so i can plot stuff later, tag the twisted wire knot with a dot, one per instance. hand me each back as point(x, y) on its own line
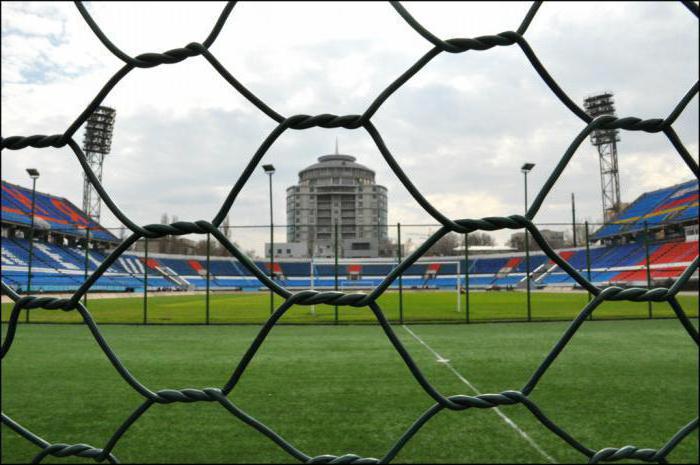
point(331, 298)
point(636, 294)
point(343, 459)
point(630, 123)
point(459, 45)
point(169, 396)
point(325, 120)
point(611, 454)
point(493, 223)
point(74, 450)
point(486, 400)
point(179, 228)
point(176, 55)
point(49, 303)
point(38, 141)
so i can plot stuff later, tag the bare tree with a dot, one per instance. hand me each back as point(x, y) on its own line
point(480, 238)
point(446, 245)
point(227, 228)
point(555, 239)
point(162, 245)
point(580, 235)
point(517, 241)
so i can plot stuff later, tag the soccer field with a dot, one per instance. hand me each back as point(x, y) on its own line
point(337, 390)
point(424, 306)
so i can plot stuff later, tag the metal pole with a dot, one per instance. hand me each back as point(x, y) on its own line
point(335, 244)
point(646, 251)
point(208, 263)
point(398, 232)
point(573, 217)
point(466, 275)
point(527, 259)
point(311, 276)
point(87, 261)
point(145, 281)
point(459, 288)
point(272, 250)
point(31, 247)
point(588, 264)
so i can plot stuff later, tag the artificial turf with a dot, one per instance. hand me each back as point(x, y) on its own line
point(417, 306)
point(344, 389)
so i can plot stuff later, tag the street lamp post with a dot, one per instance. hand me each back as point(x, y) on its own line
point(573, 218)
point(34, 174)
point(526, 168)
point(270, 170)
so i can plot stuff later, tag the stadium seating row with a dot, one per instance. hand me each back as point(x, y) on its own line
point(50, 212)
point(57, 267)
point(669, 205)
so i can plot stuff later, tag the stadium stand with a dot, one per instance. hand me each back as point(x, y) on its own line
point(609, 264)
point(60, 265)
point(55, 213)
point(675, 204)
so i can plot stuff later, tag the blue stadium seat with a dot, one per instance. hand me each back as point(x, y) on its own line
point(58, 213)
point(489, 265)
point(667, 205)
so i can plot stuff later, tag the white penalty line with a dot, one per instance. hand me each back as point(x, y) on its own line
point(497, 410)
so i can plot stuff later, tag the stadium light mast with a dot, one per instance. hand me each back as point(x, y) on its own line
point(96, 144)
point(34, 174)
point(525, 169)
point(270, 170)
point(605, 140)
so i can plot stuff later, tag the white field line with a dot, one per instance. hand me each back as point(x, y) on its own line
point(440, 359)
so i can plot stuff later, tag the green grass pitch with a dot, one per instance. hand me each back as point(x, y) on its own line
point(344, 389)
point(417, 306)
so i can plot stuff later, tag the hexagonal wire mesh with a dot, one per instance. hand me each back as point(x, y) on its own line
point(309, 297)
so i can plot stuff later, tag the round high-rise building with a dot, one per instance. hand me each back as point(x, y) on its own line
point(337, 190)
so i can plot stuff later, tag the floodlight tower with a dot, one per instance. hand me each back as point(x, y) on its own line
point(605, 140)
point(96, 144)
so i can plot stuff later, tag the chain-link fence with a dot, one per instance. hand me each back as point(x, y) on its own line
point(601, 293)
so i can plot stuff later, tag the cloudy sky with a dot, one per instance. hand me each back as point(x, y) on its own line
point(461, 128)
